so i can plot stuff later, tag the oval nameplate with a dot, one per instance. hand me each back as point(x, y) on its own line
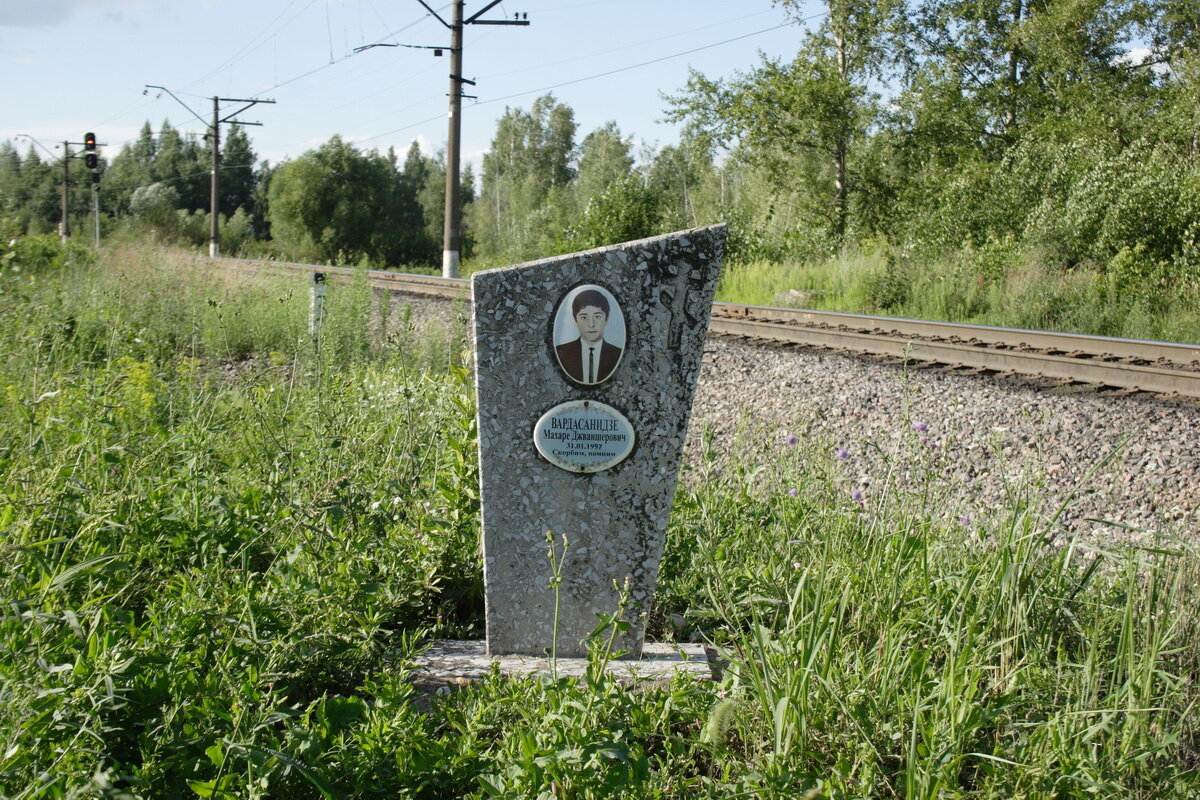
point(583, 436)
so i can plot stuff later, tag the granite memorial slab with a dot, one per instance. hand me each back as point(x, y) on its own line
point(585, 369)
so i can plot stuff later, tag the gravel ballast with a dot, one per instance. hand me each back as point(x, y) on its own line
point(985, 437)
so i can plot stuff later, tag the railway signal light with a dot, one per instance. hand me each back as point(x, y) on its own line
point(90, 158)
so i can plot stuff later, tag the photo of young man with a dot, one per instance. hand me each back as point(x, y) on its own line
point(590, 358)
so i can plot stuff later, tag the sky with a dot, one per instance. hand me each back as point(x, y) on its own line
point(72, 66)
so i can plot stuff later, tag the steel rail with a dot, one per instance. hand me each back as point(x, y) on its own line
point(1147, 378)
point(1088, 359)
point(1096, 346)
point(448, 288)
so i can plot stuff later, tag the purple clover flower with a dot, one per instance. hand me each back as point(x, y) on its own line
point(842, 453)
point(791, 440)
point(920, 427)
point(793, 492)
point(856, 495)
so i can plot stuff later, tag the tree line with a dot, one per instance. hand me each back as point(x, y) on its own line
point(541, 191)
point(937, 124)
point(1068, 130)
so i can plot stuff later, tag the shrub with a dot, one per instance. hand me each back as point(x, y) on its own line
point(41, 252)
point(626, 210)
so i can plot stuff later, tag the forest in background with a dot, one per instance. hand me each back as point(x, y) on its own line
point(1027, 162)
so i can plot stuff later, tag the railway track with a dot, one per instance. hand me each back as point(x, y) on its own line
point(1132, 364)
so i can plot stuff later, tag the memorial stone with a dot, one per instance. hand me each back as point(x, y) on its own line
point(585, 369)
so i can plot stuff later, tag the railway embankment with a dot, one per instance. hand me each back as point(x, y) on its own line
point(1122, 465)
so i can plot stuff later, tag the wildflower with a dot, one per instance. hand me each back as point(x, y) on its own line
point(842, 453)
point(856, 495)
point(924, 440)
point(793, 492)
point(920, 427)
point(791, 440)
point(964, 519)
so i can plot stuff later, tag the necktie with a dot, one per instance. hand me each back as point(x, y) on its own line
point(591, 365)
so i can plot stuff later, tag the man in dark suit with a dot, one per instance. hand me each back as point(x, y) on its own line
point(589, 359)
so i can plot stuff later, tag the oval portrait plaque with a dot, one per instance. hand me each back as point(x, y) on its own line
point(589, 334)
point(584, 436)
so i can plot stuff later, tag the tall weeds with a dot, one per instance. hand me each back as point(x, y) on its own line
point(997, 283)
point(878, 651)
point(221, 543)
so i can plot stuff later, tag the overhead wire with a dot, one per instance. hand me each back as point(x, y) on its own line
point(410, 75)
point(631, 66)
point(254, 40)
point(590, 55)
point(329, 31)
point(244, 51)
point(388, 35)
point(569, 8)
point(595, 76)
point(259, 39)
point(629, 46)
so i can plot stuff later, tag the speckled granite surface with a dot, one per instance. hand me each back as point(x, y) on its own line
point(607, 526)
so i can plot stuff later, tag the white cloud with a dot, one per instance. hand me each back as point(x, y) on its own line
point(1140, 55)
point(1135, 56)
point(36, 13)
point(475, 159)
point(48, 13)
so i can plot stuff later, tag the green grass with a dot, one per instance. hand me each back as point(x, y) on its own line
point(996, 284)
point(220, 545)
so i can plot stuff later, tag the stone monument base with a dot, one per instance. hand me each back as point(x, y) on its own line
point(450, 663)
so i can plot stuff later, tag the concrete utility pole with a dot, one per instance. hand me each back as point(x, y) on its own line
point(214, 136)
point(96, 210)
point(64, 229)
point(452, 231)
point(214, 201)
point(452, 235)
